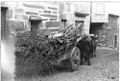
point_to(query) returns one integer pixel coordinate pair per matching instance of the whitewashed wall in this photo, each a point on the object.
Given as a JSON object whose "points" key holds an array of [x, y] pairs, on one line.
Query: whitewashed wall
{"points": [[98, 12]]}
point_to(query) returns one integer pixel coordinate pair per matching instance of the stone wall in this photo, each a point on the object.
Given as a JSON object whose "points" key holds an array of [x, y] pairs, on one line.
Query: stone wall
{"points": [[68, 9], [98, 12], [19, 12], [113, 29], [107, 31]]}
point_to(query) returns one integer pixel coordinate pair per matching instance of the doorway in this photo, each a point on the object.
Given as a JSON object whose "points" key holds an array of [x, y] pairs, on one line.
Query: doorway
{"points": [[4, 27], [115, 43], [35, 26], [64, 22]]}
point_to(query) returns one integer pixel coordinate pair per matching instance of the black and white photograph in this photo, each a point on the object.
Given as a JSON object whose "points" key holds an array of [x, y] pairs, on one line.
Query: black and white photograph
{"points": [[60, 40]]}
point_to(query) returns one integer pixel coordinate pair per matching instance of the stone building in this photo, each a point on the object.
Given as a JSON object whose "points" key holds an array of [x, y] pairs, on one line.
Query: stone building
{"points": [[76, 13], [113, 30], [51, 16], [105, 25], [21, 16]]}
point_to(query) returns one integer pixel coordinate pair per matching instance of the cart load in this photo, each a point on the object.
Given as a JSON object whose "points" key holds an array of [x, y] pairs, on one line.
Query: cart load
{"points": [[37, 52]]}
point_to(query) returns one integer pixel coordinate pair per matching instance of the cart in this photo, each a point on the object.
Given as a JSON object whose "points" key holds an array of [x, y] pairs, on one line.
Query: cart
{"points": [[68, 54]]}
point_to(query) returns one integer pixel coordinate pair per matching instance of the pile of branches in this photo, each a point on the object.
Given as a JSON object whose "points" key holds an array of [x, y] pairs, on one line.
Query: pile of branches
{"points": [[33, 53]]}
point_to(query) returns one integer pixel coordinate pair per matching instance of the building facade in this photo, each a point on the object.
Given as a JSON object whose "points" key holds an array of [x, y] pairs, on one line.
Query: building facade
{"points": [[76, 13], [47, 15], [51, 16], [105, 25], [113, 30]]}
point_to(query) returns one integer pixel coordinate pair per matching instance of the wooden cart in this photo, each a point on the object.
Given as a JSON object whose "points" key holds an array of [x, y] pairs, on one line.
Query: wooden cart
{"points": [[68, 54]]}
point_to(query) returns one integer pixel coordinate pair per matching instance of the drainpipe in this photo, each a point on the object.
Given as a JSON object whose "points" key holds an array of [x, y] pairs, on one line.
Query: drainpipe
{"points": [[90, 14], [90, 11]]}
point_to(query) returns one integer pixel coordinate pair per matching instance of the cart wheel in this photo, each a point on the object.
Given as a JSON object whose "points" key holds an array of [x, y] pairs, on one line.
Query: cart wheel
{"points": [[75, 59]]}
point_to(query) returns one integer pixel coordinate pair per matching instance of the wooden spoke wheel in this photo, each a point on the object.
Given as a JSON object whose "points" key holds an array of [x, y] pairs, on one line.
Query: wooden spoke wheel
{"points": [[75, 59]]}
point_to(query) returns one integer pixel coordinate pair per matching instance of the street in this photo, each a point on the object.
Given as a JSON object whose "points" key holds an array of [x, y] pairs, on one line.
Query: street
{"points": [[104, 67]]}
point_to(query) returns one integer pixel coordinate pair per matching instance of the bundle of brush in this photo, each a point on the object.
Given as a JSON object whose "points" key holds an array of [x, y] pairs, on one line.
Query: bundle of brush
{"points": [[69, 33], [32, 53]]}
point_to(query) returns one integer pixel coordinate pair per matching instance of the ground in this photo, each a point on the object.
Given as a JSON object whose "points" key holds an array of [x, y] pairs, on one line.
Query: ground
{"points": [[104, 67]]}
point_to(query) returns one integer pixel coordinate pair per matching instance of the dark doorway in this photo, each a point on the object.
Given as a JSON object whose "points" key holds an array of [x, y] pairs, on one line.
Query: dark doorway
{"points": [[35, 25], [4, 27], [64, 22], [115, 45], [96, 27]]}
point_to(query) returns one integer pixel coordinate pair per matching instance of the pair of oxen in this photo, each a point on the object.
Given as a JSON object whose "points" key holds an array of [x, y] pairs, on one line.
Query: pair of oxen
{"points": [[87, 45]]}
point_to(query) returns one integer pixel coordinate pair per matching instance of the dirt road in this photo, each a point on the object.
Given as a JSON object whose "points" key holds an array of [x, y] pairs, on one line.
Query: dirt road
{"points": [[104, 67]]}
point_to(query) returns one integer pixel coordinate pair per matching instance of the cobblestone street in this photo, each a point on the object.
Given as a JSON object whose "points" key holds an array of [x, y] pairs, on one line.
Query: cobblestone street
{"points": [[104, 67]]}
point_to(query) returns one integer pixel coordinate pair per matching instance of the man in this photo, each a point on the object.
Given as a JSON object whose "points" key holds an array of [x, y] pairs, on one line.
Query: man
{"points": [[93, 46], [84, 46]]}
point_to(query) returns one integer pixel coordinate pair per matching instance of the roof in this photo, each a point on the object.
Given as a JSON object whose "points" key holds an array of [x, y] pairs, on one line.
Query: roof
{"points": [[63, 19], [81, 14], [113, 15], [3, 6], [36, 18]]}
